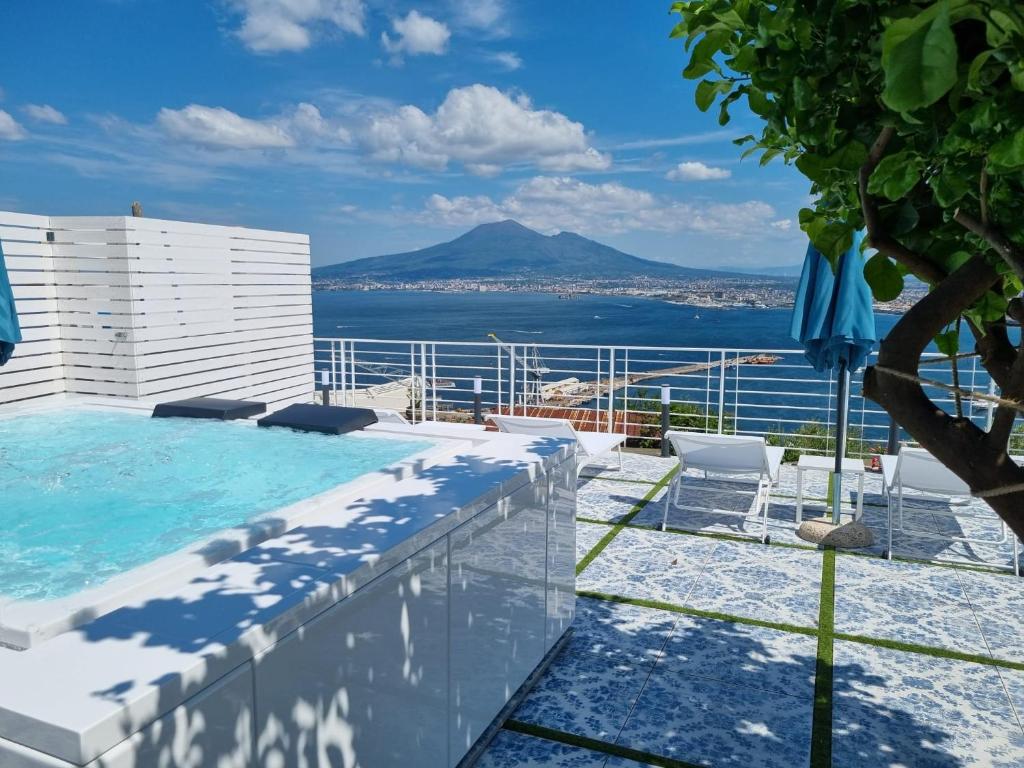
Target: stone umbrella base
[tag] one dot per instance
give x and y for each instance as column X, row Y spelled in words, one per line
column 851, row 535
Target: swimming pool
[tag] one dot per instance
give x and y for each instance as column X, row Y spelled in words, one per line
column 90, row 494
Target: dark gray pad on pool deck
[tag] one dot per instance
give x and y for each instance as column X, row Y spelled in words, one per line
column 210, row 408
column 329, row 419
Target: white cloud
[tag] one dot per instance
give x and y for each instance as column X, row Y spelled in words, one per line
column 485, row 130
column 44, row 113
column 270, row 26
column 416, row 35
column 10, row 129
column 783, row 225
column 507, row 60
column 308, row 125
column 695, row 171
column 488, row 16
column 552, row 204
column 219, row 127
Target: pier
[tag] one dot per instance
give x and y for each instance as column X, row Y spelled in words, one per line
column 573, row 393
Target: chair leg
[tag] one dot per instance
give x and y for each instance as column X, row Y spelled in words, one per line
column 1016, row 557
column 767, row 499
column 888, row 545
column 668, row 500
column 620, row 457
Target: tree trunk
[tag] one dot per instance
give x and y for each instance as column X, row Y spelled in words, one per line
column 976, row 457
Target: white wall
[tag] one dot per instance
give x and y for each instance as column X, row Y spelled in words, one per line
column 147, row 308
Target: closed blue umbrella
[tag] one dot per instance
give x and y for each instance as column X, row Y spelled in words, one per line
column 834, row 321
column 10, row 331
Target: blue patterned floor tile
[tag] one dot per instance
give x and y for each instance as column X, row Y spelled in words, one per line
column 905, row 709
column 1013, row 680
column 782, row 524
column 740, row 654
column 584, row 694
column 635, row 466
column 609, row 500
column 711, row 723
column 909, row 602
column 587, row 536
column 518, row 750
column 760, row 582
column 647, row 565
column 998, row 603
column 620, row 632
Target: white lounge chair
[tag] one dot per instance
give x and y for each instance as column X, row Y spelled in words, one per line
column 590, row 446
column 443, row 428
column 917, row 470
column 726, row 455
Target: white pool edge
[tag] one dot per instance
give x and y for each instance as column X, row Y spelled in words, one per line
column 26, row 623
column 57, row 709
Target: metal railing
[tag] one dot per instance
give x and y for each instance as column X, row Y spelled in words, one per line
column 768, row 392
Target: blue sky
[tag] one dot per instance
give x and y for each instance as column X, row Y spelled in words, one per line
column 378, row 126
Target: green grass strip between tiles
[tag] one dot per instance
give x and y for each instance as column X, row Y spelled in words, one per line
column 606, row 539
column 991, row 569
column 698, row 612
column 726, row 537
column 595, row 745
column 821, row 725
column 634, row 480
column 928, row 650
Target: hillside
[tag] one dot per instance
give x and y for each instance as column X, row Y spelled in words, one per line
column 507, row 249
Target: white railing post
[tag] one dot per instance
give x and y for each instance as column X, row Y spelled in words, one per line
column 721, row 392
column 526, row 383
column 412, row 382
column 511, row 380
column 433, row 378
column 334, row 377
column 625, row 392
column 611, row 389
column 497, row 356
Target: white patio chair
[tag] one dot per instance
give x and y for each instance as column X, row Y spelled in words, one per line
column 917, row 470
column 442, row 428
column 726, row 455
column 590, row 446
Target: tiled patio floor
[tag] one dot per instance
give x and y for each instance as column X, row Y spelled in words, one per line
column 702, row 646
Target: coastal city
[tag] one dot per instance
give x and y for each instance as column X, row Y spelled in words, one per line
column 739, row 291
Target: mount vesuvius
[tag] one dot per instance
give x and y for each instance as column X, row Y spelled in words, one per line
column 507, row 249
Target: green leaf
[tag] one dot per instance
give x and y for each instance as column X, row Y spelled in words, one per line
column 905, row 219
column 832, row 238
column 702, row 58
column 1008, row 154
column 758, row 102
column 745, row 59
column 707, row 90
column 884, row 278
column 948, row 342
column 949, row 186
column 896, row 175
column 990, row 308
column 919, row 57
column 974, row 72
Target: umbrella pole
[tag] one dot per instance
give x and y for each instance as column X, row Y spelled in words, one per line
column 842, row 407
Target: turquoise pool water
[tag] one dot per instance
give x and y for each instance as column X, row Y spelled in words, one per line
column 86, row 495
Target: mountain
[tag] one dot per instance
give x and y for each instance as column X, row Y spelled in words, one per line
column 507, row 249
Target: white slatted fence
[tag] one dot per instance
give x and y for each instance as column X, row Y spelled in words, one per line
column 147, row 308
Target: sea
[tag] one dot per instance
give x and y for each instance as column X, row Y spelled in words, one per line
column 546, row 319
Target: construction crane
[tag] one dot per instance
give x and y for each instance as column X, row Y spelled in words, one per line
column 534, row 367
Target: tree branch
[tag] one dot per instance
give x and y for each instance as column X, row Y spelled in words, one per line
column 1011, row 389
column 997, row 352
column 877, row 236
column 1000, row 243
column 958, row 443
